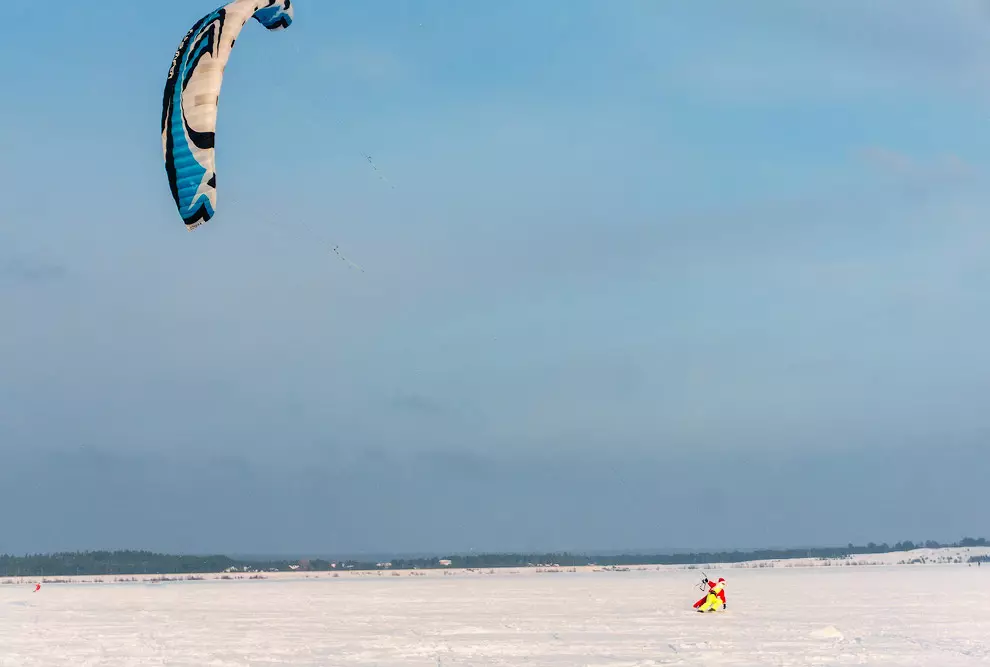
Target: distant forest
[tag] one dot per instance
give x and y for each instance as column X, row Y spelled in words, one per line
column 146, row 562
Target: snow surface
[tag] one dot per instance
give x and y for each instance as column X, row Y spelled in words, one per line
column 932, row 615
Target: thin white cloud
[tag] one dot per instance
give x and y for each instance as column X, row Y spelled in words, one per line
column 946, row 168
column 838, row 51
column 363, row 62
column 19, row 271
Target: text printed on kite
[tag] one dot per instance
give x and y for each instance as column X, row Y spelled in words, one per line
column 191, row 98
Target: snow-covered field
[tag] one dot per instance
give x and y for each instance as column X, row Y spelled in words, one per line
column 935, row 615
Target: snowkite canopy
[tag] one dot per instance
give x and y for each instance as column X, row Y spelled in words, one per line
column 192, row 93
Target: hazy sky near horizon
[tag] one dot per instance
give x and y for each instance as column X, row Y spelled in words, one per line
column 637, row 274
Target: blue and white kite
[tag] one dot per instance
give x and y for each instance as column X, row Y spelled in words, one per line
column 192, row 93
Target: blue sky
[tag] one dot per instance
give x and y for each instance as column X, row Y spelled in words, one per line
column 646, row 266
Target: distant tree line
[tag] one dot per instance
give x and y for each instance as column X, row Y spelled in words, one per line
column 571, row 560
column 96, row 563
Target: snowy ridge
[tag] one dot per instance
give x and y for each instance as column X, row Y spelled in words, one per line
column 941, row 556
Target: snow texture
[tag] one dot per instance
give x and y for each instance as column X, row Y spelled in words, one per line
column 924, row 615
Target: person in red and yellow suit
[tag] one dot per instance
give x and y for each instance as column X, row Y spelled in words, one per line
column 715, row 600
column 703, row 600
